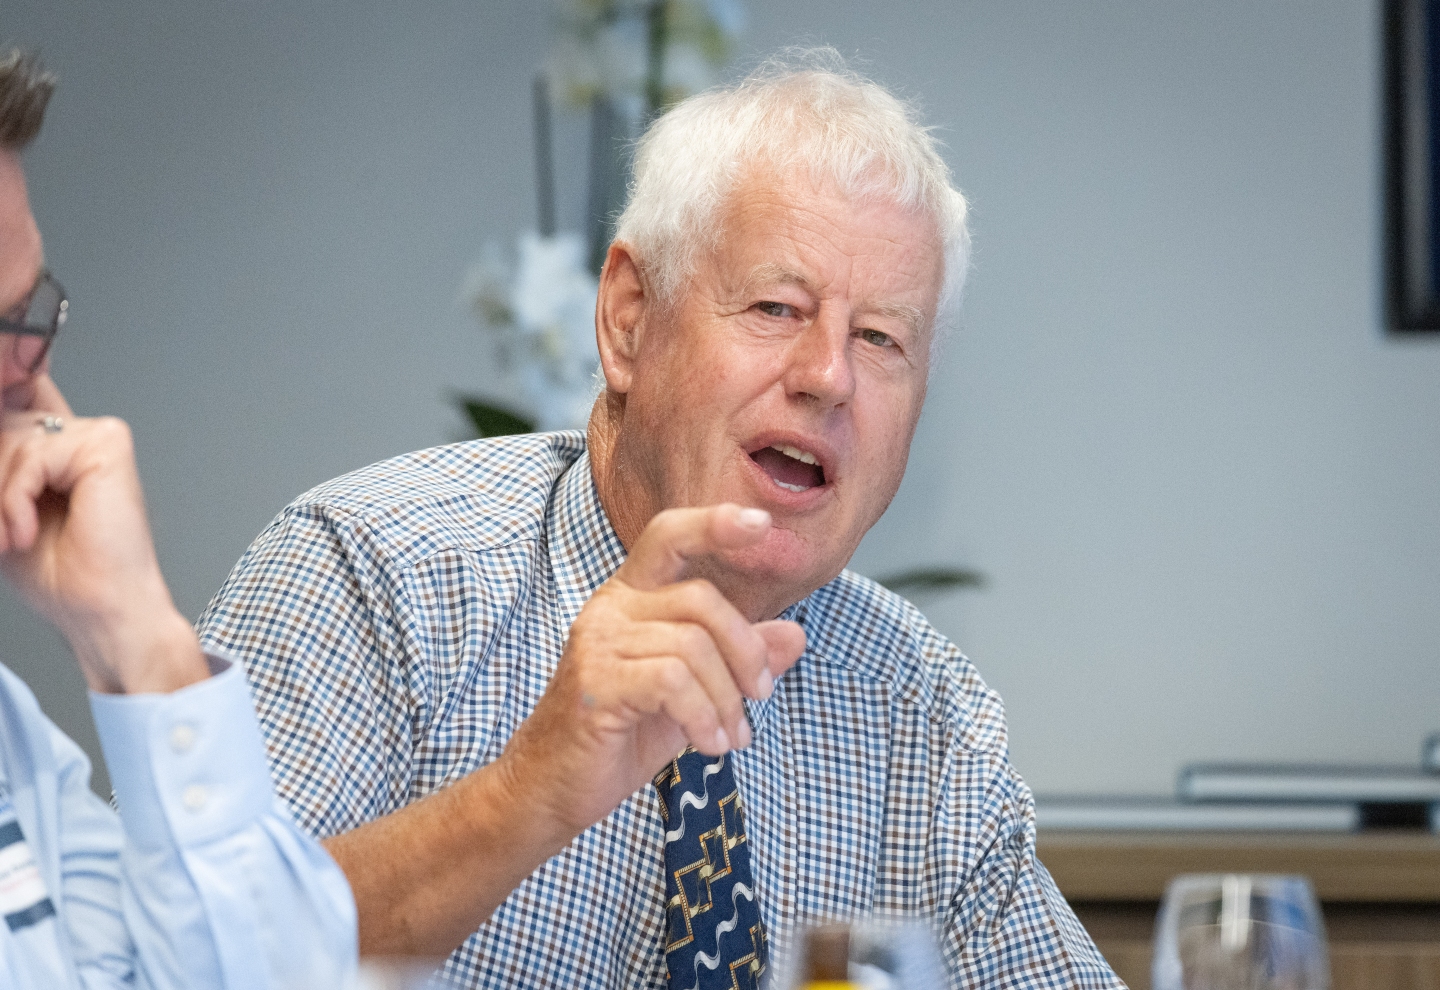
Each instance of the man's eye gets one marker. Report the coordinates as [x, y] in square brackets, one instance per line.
[775, 309]
[877, 338]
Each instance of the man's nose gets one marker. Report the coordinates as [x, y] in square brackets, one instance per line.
[820, 360]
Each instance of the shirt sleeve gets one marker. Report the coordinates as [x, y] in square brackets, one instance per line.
[77, 841]
[219, 888]
[313, 612]
[1010, 926]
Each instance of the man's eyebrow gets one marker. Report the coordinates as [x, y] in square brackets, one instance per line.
[770, 273]
[911, 316]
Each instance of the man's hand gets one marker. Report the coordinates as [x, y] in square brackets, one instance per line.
[75, 541]
[652, 662]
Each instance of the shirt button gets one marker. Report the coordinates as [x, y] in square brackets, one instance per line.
[182, 738]
[195, 798]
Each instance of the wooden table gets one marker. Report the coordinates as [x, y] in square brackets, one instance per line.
[1380, 893]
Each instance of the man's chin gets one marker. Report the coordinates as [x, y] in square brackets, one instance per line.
[779, 572]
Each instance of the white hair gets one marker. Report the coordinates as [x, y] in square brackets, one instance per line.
[804, 109]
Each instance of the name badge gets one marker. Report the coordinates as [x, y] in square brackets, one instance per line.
[23, 898]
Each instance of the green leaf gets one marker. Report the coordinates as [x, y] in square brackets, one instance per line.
[491, 420]
[932, 579]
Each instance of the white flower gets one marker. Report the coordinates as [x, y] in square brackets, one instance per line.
[541, 303]
[602, 47]
[556, 406]
[553, 296]
[543, 308]
[486, 287]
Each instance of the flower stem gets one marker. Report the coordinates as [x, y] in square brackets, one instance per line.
[544, 158]
[656, 22]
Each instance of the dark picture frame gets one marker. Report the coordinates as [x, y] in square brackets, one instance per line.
[1412, 165]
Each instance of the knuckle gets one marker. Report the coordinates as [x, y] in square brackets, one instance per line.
[611, 602]
[674, 676]
[694, 640]
[578, 644]
[662, 526]
[698, 594]
[667, 519]
[114, 432]
[587, 643]
[591, 640]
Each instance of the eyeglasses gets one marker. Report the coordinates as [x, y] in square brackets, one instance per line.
[45, 313]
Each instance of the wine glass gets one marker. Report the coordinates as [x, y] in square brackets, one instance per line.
[1240, 932]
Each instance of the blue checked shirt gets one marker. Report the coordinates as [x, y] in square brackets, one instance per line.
[399, 623]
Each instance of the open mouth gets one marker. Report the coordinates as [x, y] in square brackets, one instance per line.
[789, 467]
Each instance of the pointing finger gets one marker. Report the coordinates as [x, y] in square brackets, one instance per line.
[676, 535]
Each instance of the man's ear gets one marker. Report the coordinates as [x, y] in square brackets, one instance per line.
[620, 310]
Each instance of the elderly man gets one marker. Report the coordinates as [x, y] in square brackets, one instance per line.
[207, 883]
[476, 664]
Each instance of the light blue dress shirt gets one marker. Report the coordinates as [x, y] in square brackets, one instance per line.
[203, 882]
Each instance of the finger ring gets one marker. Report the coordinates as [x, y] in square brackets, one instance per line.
[51, 424]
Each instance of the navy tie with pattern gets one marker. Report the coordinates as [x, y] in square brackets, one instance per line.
[713, 934]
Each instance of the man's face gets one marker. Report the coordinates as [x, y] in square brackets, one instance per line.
[791, 372]
[21, 257]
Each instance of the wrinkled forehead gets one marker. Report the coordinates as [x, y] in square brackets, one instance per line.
[857, 213]
[21, 251]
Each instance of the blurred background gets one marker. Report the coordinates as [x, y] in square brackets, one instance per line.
[1171, 430]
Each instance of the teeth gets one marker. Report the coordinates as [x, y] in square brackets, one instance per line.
[799, 455]
[792, 488]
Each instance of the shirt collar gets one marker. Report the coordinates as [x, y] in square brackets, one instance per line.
[584, 550]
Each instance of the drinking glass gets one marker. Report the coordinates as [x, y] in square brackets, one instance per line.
[1240, 932]
[863, 955]
[398, 974]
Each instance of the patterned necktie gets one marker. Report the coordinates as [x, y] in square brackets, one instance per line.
[714, 938]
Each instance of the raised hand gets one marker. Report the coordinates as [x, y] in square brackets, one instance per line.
[75, 542]
[654, 662]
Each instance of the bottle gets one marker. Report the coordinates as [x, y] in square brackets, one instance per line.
[826, 964]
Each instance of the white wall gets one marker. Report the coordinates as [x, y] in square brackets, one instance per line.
[1171, 430]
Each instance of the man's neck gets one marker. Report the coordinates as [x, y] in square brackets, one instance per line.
[624, 499]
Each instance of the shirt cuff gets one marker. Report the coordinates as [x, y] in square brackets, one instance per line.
[188, 767]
